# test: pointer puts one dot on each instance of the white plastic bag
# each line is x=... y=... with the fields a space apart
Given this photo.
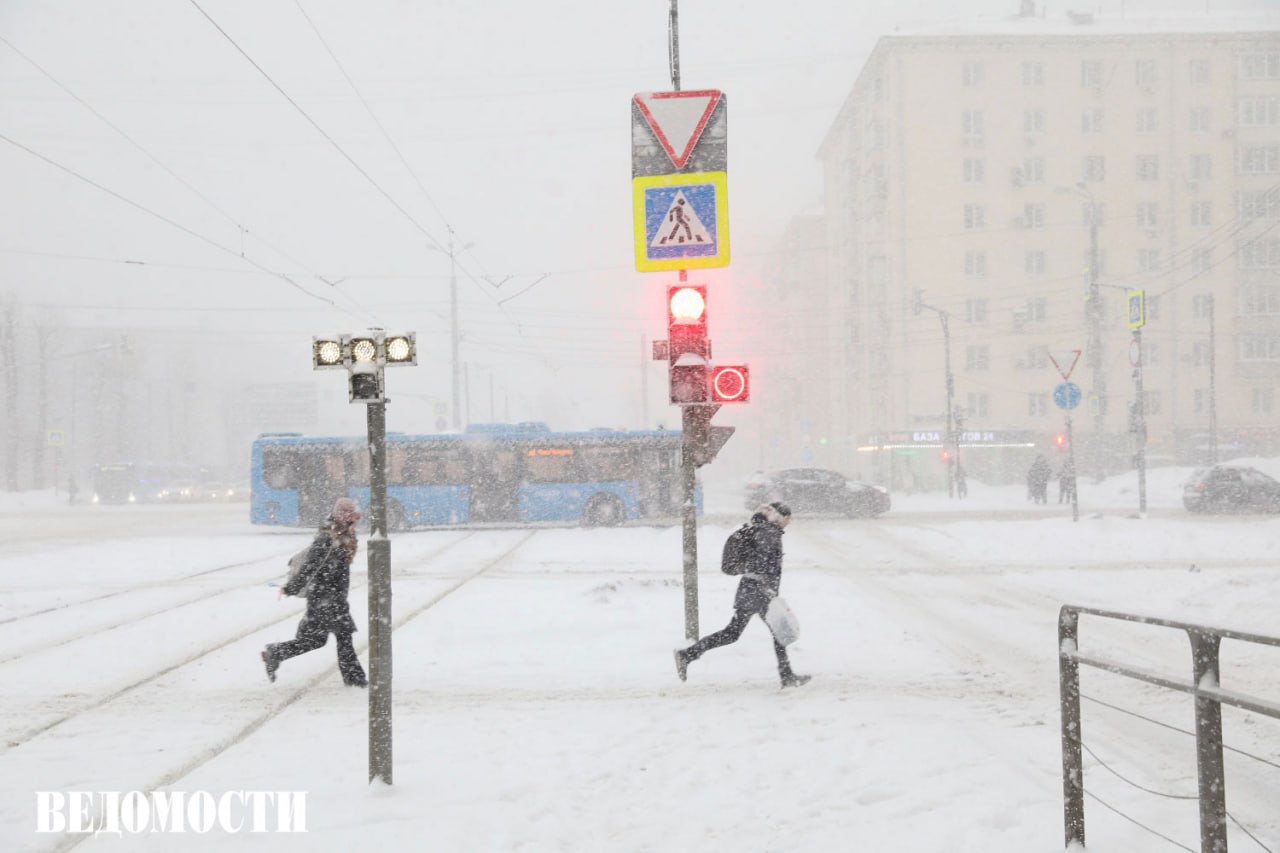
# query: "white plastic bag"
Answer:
x=782 y=621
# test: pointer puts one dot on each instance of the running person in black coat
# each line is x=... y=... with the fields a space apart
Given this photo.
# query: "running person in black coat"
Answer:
x=758 y=586
x=325 y=579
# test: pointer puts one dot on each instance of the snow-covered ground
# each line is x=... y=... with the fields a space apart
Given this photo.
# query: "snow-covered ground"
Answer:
x=537 y=707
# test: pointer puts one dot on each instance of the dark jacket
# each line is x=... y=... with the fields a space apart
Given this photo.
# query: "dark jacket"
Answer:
x=328 y=571
x=763 y=577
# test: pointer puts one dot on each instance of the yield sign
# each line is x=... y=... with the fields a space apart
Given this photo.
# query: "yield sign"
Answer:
x=1065 y=360
x=678 y=119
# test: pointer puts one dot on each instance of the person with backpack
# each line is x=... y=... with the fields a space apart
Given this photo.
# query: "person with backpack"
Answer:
x=755 y=552
x=325 y=579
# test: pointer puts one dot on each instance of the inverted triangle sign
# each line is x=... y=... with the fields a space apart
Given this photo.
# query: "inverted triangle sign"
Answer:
x=1065 y=360
x=678 y=119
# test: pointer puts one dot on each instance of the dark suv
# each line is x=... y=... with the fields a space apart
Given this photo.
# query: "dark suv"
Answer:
x=816 y=490
x=1231 y=488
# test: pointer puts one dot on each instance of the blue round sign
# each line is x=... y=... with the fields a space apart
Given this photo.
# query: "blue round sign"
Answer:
x=1066 y=395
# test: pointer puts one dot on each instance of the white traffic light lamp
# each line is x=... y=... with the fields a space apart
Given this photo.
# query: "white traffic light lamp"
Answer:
x=401 y=349
x=327 y=352
x=364 y=350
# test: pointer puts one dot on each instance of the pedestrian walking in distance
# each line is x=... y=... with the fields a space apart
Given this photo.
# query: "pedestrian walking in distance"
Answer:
x=760 y=582
x=325 y=579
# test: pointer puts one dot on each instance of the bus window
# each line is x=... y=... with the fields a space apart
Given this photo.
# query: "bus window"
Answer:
x=279 y=468
x=605 y=463
x=424 y=465
x=551 y=465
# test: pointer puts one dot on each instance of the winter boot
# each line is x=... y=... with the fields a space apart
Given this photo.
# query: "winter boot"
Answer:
x=793 y=680
x=269 y=660
x=682 y=664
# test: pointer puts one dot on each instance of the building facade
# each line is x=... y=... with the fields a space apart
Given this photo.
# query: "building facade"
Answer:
x=993 y=200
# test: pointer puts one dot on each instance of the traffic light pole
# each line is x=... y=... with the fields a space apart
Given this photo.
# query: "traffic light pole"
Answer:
x=1140 y=424
x=1071 y=455
x=689 y=425
x=379 y=600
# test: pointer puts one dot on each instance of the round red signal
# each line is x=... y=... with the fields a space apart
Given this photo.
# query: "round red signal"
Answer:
x=729 y=384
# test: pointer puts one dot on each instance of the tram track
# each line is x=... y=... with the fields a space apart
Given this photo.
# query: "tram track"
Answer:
x=14 y=741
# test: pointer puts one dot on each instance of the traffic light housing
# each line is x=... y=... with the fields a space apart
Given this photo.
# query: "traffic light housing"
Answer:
x=688 y=347
x=730 y=383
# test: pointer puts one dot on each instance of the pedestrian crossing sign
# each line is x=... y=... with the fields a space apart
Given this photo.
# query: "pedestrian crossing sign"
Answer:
x=681 y=221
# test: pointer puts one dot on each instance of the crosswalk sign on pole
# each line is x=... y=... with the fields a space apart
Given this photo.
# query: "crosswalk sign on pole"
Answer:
x=681 y=221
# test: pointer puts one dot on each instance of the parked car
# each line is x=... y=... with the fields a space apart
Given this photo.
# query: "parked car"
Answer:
x=215 y=492
x=817 y=490
x=1231 y=488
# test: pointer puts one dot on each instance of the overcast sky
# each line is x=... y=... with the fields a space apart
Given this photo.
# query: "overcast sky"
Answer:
x=165 y=163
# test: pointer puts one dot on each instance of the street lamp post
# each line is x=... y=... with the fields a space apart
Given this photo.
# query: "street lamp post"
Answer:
x=1093 y=316
x=949 y=441
x=364 y=357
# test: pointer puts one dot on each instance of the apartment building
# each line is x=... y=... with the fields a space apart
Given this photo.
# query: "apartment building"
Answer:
x=1013 y=186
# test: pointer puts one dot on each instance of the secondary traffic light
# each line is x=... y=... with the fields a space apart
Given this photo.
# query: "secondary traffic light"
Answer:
x=688 y=347
x=730 y=383
x=1060 y=440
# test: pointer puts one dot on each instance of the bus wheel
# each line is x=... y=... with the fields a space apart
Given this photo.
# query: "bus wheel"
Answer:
x=397 y=518
x=604 y=511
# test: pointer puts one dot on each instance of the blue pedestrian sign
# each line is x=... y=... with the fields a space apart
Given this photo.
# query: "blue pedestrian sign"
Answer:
x=1066 y=395
x=681 y=221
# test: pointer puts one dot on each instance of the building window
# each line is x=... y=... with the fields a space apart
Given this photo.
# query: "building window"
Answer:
x=1200 y=354
x=1148 y=167
x=1037 y=405
x=978 y=406
x=1259 y=348
x=975 y=264
x=976 y=311
x=1263 y=204
x=1033 y=170
x=1033 y=121
x=1200 y=401
x=1201 y=305
x=1198 y=72
x=1201 y=213
x=1202 y=261
x=1148 y=215
x=1150 y=353
x=1259 y=111
x=1033 y=216
x=1091 y=120
x=1260 y=66
x=1260 y=160
x=1033 y=73
x=1037 y=309
x=1260 y=254
x=1260 y=299
x=1264 y=400
x=1201 y=167
x=1094 y=214
x=1146 y=122
x=1153 y=306
x=1151 y=401
x=974 y=170
x=1145 y=73
x=972 y=123
x=1035 y=264
x=971 y=74
x=1148 y=260
x=977 y=357
x=975 y=216
x=1199 y=122
x=1094 y=168
x=1035 y=358
x=1091 y=74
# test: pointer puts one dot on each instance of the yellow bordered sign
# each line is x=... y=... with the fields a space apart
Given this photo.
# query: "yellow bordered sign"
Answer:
x=681 y=221
x=1137 y=300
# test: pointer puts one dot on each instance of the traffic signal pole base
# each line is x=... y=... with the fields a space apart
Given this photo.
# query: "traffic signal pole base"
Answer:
x=380 y=659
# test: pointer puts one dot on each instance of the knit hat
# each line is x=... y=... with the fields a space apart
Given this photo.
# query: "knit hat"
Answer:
x=345 y=511
x=776 y=513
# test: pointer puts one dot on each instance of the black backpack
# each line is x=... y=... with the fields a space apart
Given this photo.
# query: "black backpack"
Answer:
x=736 y=557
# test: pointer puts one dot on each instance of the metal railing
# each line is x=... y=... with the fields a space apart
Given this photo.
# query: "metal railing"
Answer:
x=1209 y=699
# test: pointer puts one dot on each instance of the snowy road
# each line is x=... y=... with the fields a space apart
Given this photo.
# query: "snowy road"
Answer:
x=537 y=707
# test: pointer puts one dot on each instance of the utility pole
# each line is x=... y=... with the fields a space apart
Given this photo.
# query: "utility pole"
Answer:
x=1213 y=387
x=453 y=320
x=949 y=440
x=1093 y=313
x=673 y=48
x=1140 y=422
x=379 y=599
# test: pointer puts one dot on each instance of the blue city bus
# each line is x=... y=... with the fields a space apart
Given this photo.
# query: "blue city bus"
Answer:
x=499 y=474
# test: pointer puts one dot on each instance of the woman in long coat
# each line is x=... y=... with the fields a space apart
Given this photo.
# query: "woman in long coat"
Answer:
x=325 y=579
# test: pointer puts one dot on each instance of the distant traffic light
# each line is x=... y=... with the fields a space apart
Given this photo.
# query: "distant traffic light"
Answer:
x=1060 y=440
x=688 y=346
x=730 y=384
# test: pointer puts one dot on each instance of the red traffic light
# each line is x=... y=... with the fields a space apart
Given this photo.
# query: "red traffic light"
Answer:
x=730 y=383
x=1059 y=440
x=687 y=304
